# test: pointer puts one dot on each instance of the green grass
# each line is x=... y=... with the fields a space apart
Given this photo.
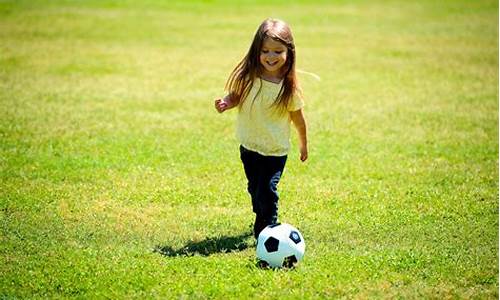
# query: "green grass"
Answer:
x=119 y=180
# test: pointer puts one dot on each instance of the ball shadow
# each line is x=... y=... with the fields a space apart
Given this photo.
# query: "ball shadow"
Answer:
x=208 y=246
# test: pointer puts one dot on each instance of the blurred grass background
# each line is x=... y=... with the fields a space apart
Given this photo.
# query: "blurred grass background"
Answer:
x=112 y=157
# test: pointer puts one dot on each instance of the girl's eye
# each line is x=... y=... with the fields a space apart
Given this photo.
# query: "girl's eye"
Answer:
x=264 y=51
x=279 y=52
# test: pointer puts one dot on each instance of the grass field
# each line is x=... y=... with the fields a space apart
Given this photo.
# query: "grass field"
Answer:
x=118 y=179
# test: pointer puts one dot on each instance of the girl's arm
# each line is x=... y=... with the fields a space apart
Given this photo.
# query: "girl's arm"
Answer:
x=300 y=124
x=228 y=102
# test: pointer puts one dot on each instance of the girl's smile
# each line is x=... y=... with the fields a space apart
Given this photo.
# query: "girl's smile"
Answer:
x=273 y=57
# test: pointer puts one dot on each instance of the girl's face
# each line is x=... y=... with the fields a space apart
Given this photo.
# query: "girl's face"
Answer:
x=273 y=57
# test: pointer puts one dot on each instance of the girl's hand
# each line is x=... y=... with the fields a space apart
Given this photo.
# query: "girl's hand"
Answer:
x=303 y=153
x=221 y=105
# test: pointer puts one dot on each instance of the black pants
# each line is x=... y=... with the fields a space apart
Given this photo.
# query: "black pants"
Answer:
x=263 y=174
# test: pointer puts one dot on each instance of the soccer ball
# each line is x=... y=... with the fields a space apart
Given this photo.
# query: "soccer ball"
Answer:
x=280 y=245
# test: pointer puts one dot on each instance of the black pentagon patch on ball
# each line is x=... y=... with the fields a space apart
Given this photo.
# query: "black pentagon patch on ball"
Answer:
x=290 y=261
x=271 y=244
x=274 y=225
x=295 y=237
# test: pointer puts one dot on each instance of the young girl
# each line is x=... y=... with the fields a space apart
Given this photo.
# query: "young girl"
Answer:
x=265 y=89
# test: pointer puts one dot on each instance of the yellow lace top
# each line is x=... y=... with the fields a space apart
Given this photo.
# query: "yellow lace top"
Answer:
x=260 y=126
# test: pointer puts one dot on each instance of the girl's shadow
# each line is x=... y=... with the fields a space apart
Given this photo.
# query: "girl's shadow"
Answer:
x=208 y=246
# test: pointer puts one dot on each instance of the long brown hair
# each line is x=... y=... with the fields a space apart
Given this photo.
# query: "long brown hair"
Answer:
x=241 y=80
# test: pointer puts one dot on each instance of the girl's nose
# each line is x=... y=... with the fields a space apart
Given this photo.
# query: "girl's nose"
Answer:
x=273 y=55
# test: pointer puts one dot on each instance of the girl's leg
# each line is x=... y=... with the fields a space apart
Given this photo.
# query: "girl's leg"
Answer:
x=263 y=174
x=270 y=171
x=250 y=165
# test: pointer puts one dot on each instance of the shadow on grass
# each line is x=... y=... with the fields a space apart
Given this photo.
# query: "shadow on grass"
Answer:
x=208 y=246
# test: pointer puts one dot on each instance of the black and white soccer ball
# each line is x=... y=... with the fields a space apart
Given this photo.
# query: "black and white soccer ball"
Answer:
x=280 y=245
